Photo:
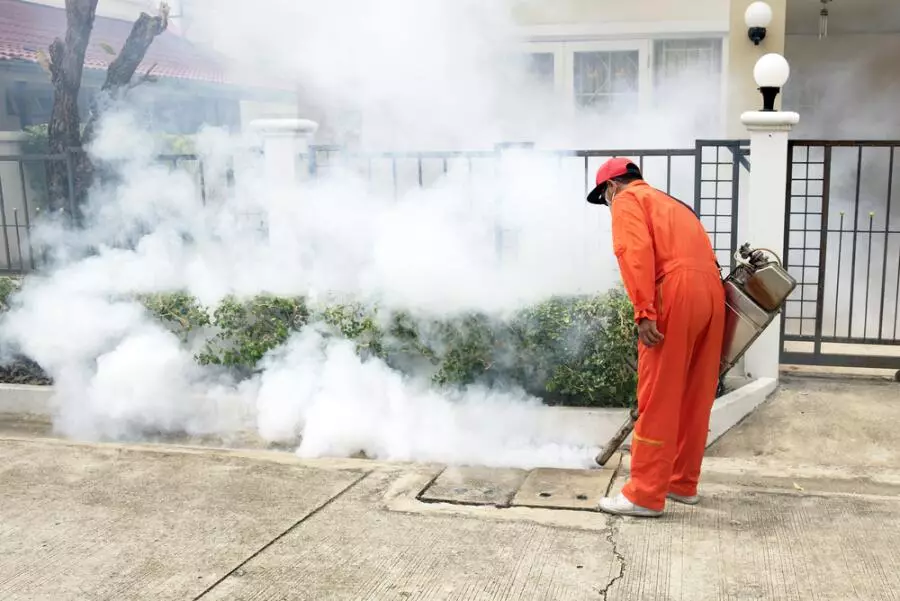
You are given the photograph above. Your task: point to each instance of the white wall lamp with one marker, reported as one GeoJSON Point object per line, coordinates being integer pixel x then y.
{"type": "Point", "coordinates": [771, 72]}
{"type": "Point", "coordinates": [757, 17]}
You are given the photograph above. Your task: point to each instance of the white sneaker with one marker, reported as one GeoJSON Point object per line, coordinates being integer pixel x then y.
{"type": "Point", "coordinates": [692, 500]}
{"type": "Point", "coordinates": [620, 505]}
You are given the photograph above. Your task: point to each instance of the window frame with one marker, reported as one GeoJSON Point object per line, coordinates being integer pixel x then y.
{"type": "Point", "coordinates": [641, 46]}
{"type": "Point", "coordinates": [564, 50]}
{"type": "Point", "coordinates": [723, 62]}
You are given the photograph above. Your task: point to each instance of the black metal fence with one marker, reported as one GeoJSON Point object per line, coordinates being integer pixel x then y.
{"type": "Point", "coordinates": [24, 196]}
{"type": "Point", "coordinates": [842, 241]}
{"type": "Point", "coordinates": [23, 186]}
{"type": "Point", "coordinates": [706, 176]}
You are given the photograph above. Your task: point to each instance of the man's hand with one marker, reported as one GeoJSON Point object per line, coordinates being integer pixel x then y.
{"type": "Point", "coordinates": [648, 333]}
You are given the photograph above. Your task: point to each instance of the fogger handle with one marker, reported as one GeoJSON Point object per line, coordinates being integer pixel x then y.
{"type": "Point", "coordinates": [618, 438]}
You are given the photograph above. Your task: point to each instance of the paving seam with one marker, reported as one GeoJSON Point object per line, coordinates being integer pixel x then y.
{"type": "Point", "coordinates": [292, 527]}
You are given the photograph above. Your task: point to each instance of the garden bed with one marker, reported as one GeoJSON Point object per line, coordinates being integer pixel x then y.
{"type": "Point", "coordinates": [568, 351]}
{"type": "Point", "coordinates": [24, 371]}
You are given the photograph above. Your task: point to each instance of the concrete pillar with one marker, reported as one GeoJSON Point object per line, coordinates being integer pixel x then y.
{"type": "Point", "coordinates": [283, 141]}
{"type": "Point", "coordinates": [762, 218]}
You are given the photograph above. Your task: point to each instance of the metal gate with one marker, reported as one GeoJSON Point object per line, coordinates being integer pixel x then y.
{"type": "Point", "coordinates": [842, 241]}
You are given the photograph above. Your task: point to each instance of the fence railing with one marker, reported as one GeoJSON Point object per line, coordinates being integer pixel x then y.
{"type": "Point", "coordinates": [24, 201]}
{"type": "Point", "coordinates": [842, 241]}
{"type": "Point", "coordinates": [706, 176]}
{"type": "Point", "coordinates": [23, 185]}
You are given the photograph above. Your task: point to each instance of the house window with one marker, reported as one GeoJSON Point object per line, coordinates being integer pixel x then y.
{"type": "Point", "coordinates": [31, 103]}
{"type": "Point", "coordinates": [699, 58]}
{"type": "Point", "coordinates": [540, 68]}
{"type": "Point", "coordinates": [604, 78]}
{"type": "Point", "coordinates": [688, 72]}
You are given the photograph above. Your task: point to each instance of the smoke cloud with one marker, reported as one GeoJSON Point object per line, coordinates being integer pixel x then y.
{"type": "Point", "coordinates": [422, 75]}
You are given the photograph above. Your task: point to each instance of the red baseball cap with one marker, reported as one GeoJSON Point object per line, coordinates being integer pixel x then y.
{"type": "Point", "coordinates": [614, 167]}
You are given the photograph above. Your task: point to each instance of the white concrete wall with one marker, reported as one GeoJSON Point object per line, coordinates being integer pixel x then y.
{"type": "Point", "coordinates": [617, 15]}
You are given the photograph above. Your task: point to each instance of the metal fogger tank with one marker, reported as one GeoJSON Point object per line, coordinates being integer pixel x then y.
{"type": "Point", "coordinates": [755, 292]}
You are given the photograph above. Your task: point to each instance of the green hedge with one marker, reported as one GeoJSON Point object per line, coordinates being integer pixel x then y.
{"type": "Point", "coordinates": [575, 351]}
{"type": "Point", "coordinates": [7, 287]}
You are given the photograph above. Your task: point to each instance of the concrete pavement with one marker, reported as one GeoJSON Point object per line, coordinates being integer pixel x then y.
{"type": "Point", "coordinates": [823, 422]}
{"type": "Point", "coordinates": [160, 522]}
{"type": "Point", "coordinates": [83, 522]}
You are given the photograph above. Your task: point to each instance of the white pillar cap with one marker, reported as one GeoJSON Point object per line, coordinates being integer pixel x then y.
{"type": "Point", "coordinates": [284, 127]}
{"type": "Point", "coordinates": [770, 120]}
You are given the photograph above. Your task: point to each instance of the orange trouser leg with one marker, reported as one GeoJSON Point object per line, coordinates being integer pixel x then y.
{"type": "Point", "coordinates": [700, 394]}
{"type": "Point", "coordinates": [663, 373]}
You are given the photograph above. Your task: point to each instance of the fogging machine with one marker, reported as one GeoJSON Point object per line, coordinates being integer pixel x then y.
{"type": "Point", "coordinates": [755, 292]}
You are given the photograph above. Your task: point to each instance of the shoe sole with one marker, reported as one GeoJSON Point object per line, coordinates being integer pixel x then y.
{"type": "Point", "coordinates": [630, 514]}
{"type": "Point", "coordinates": [684, 500]}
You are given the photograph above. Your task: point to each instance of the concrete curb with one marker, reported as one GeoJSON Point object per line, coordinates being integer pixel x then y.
{"type": "Point", "coordinates": [574, 425]}
{"type": "Point", "coordinates": [596, 426]}
{"type": "Point", "coordinates": [26, 399]}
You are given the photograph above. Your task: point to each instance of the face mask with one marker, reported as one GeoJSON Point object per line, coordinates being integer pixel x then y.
{"type": "Point", "coordinates": [609, 193]}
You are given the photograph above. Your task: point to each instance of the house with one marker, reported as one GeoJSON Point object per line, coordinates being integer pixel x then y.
{"type": "Point", "coordinates": [193, 86]}
{"type": "Point", "coordinates": [842, 62]}
{"type": "Point", "coordinates": [698, 54]}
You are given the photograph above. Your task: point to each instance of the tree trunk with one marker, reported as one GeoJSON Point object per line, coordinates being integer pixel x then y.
{"type": "Point", "coordinates": [64, 132]}
{"type": "Point", "coordinates": [66, 67]}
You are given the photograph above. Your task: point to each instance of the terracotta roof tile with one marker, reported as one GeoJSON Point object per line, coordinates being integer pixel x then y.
{"type": "Point", "coordinates": [26, 27]}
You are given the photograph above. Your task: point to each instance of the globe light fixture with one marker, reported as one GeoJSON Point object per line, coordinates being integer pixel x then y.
{"type": "Point", "coordinates": [771, 73]}
{"type": "Point", "coordinates": [757, 17]}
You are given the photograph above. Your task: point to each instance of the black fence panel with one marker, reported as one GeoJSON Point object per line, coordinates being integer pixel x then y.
{"type": "Point", "coordinates": [24, 201]}
{"type": "Point", "coordinates": [705, 176]}
{"type": "Point", "coordinates": [842, 241]}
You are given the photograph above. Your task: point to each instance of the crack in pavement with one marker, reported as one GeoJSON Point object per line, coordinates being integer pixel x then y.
{"type": "Point", "coordinates": [611, 539]}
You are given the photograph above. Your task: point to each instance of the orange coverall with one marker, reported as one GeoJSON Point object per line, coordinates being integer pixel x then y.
{"type": "Point", "coordinates": [670, 273]}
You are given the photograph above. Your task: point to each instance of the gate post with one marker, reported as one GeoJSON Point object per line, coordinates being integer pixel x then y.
{"type": "Point", "coordinates": [282, 140]}
{"type": "Point", "coordinates": [762, 218]}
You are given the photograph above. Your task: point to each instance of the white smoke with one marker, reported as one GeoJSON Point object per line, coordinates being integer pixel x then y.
{"type": "Point", "coordinates": [342, 405]}
{"type": "Point", "coordinates": [429, 74]}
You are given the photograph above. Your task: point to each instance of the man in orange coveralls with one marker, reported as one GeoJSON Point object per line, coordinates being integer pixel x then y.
{"type": "Point", "coordinates": [672, 277]}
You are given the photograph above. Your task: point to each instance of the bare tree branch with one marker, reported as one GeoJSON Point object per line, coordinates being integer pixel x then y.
{"type": "Point", "coordinates": [147, 77]}
{"type": "Point", "coordinates": [145, 30]}
{"type": "Point", "coordinates": [121, 71]}
{"type": "Point", "coordinates": [66, 65]}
